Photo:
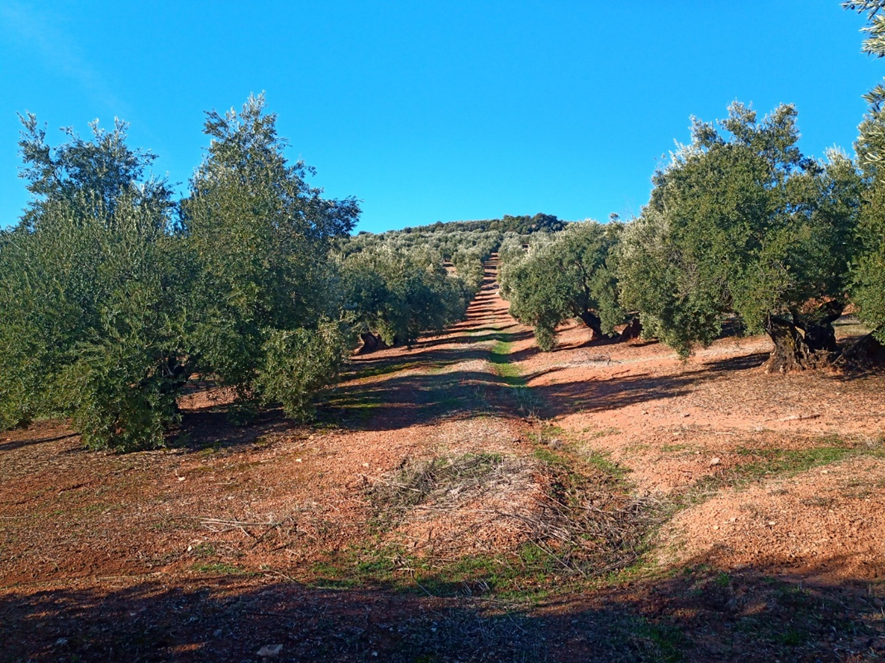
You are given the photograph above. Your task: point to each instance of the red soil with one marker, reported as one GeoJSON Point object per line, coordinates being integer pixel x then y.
{"type": "Point", "coordinates": [214, 548]}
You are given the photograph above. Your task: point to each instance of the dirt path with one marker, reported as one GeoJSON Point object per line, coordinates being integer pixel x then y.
{"type": "Point", "coordinates": [459, 500]}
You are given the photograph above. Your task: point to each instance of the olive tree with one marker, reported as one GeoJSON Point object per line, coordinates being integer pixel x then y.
{"type": "Point", "coordinates": [571, 276]}
{"type": "Point", "coordinates": [397, 294]}
{"type": "Point", "coordinates": [869, 271]}
{"type": "Point", "coordinates": [110, 299]}
{"type": "Point", "coordinates": [93, 292]}
{"type": "Point", "coordinates": [740, 222]}
{"type": "Point", "coordinates": [267, 299]}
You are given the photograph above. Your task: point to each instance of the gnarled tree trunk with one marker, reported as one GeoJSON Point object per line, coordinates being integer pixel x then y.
{"type": "Point", "coordinates": [632, 330]}
{"type": "Point", "coordinates": [369, 342]}
{"type": "Point", "coordinates": [591, 320]}
{"type": "Point", "coordinates": [803, 344]}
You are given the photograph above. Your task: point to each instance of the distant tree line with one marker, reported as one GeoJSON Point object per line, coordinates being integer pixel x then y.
{"type": "Point", "coordinates": [521, 225]}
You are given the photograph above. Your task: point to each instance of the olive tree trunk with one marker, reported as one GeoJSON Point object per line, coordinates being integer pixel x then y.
{"type": "Point", "coordinates": [592, 321]}
{"type": "Point", "coordinates": [632, 330]}
{"type": "Point", "coordinates": [370, 342]}
{"type": "Point", "coordinates": [802, 344]}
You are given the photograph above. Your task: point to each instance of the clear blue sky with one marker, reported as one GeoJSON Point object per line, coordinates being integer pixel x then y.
{"type": "Point", "coordinates": [435, 110]}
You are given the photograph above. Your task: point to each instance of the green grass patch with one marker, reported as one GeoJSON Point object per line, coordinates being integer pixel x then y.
{"type": "Point", "coordinates": [204, 550]}
{"type": "Point", "coordinates": [361, 372]}
{"type": "Point", "coordinates": [500, 350]}
{"type": "Point", "coordinates": [790, 461]}
{"type": "Point", "coordinates": [596, 433]}
{"type": "Point", "coordinates": [549, 456]}
{"type": "Point", "coordinates": [769, 463]}
{"type": "Point", "coordinates": [603, 462]}
{"type": "Point", "coordinates": [667, 641]}
{"type": "Point", "coordinates": [508, 372]}
{"type": "Point", "coordinates": [675, 448]}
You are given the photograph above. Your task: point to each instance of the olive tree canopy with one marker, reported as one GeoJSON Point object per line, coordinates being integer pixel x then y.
{"type": "Point", "coordinates": [869, 269]}
{"type": "Point", "coordinates": [572, 275]}
{"type": "Point", "coordinates": [740, 222]}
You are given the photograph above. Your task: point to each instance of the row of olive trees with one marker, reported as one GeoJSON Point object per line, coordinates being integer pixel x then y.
{"type": "Point", "coordinates": [571, 274]}
{"type": "Point", "coordinates": [395, 295]}
{"type": "Point", "coordinates": [402, 282]}
{"type": "Point", "coordinates": [740, 223]}
{"type": "Point", "coordinates": [466, 250]}
{"type": "Point", "coordinates": [113, 294]}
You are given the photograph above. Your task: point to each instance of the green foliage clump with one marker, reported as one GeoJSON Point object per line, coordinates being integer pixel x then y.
{"type": "Point", "coordinates": [92, 293]}
{"type": "Point", "coordinates": [571, 275]}
{"type": "Point", "coordinates": [260, 238]}
{"type": "Point", "coordinates": [741, 222]}
{"type": "Point", "coordinates": [298, 363]}
{"type": "Point", "coordinates": [521, 225]}
{"type": "Point", "coordinates": [397, 295]}
{"type": "Point", "coordinates": [869, 272]}
{"type": "Point", "coordinates": [110, 299]}
{"type": "Point", "coordinates": [869, 268]}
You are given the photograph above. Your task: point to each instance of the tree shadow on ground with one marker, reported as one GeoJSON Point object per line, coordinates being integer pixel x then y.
{"type": "Point", "coordinates": [497, 329]}
{"type": "Point", "coordinates": [697, 614]}
{"type": "Point", "coordinates": [423, 397]}
{"type": "Point", "coordinates": [434, 360]}
{"type": "Point", "coordinates": [400, 401]}
{"type": "Point", "coordinates": [212, 427]}
{"type": "Point", "coordinates": [563, 398]}
{"type": "Point", "coordinates": [475, 336]}
{"type": "Point", "coordinates": [427, 354]}
{"type": "Point", "coordinates": [525, 353]}
{"type": "Point", "coordinates": [616, 392]}
{"type": "Point", "coordinates": [739, 363]}
{"type": "Point", "coordinates": [27, 442]}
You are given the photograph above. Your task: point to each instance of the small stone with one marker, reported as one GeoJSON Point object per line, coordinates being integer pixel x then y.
{"type": "Point", "coordinates": [269, 651]}
{"type": "Point", "coordinates": [297, 460]}
{"type": "Point", "coordinates": [771, 523]}
{"type": "Point", "coordinates": [715, 461]}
